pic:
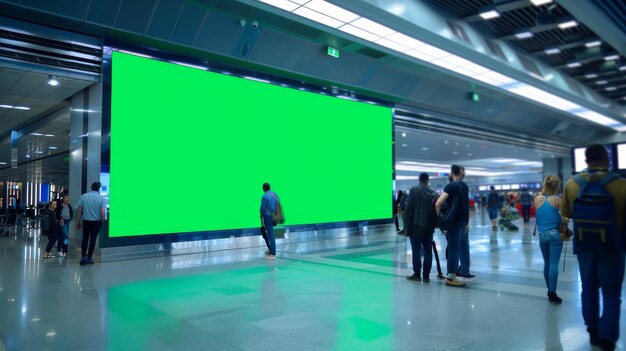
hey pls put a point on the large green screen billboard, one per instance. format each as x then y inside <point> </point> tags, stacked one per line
<point>190,150</point>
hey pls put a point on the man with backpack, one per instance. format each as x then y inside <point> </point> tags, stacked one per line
<point>269,204</point>
<point>458,242</point>
<point>420,224</point>
<point>595,200</point>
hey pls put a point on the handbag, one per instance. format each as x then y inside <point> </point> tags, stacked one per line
<point>564,231</point>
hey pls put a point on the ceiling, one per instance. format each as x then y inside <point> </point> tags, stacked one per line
<point>175,23</point>
<point>44,127</point>
<point>577,50</point>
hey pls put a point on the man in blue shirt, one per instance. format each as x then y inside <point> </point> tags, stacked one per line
<point>269,202</point>
<point>92,210</point>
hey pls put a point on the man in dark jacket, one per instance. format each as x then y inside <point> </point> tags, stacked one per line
<point>420,225</point>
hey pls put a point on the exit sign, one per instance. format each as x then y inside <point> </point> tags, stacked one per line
<point>333,52</point>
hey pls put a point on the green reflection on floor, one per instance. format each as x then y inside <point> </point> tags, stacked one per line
<point>292,303</point>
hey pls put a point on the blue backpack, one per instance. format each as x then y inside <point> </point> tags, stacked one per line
<point>594,213</point>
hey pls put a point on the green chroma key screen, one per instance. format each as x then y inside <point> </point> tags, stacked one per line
<point>190,150</point>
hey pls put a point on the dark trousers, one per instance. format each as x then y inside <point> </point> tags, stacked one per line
<point>419,243</point>
<point>395,220</point>
<point>52,239</point>
<point>526,213</point>
<point>90,234</point>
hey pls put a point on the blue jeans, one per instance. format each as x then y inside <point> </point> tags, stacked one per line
<point>551,246</point>
<point>63,237</point>
<point>424,241</point>
<point>464,255</point>
<point>601,269</point>
<point>269,229</point>
<point>454,236</point>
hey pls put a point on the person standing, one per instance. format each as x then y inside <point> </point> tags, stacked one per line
<point>269,203</point>
<point>526,201</point>
<point>548,220</point>
<point>601,263</point>
<point>92,212</point>
<point>493,206</point>
<point>50,227</point>
<point>458,241</point>
<point>65,213</point>
<point>420,226</point>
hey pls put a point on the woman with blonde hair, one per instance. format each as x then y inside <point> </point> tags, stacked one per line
<point>548,220</point>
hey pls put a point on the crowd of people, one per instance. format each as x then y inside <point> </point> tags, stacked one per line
<point>595,200</point>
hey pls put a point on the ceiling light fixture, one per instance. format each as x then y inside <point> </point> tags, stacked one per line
<point>601,82</point>
<point>611,57</point>
<point>622,68</point>
<point>540,2</point>
<point>568,24</point>
<point>16,107</point>
<point>610,88</point>
<point>594,43</point>
<point>552,51</point>
<point>591,76</point>
<point>53,81</point>
<point>488,13</point>
<point>574,64</point>
<point>523,33</point>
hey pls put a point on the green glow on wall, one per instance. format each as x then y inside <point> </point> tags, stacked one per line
<point>190,150</point>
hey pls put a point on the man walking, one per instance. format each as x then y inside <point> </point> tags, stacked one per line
<point>458,241</point>
<point>420,225</point>
<point>269,202</point>
<point>600,252</point>
<point>92,211</point>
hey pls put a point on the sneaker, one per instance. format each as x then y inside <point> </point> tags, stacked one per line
<point>60,254</point>
<point>267,252</point>
<point>454,282</point>
<point>414,277</point>
<point>270,257</point>
<point>469,277</point>
<point>426,280</point>
<point>90,261</point>
<point>554,298</point>
<point>83,261</point>
<point>48,255</point>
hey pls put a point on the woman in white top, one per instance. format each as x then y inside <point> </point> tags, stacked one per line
<point>548,220</point>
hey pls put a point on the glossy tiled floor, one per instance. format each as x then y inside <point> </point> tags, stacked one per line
<point>346,292</point>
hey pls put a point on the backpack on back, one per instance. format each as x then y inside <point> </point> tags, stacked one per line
<point>446,217</point>
<point>594,213</point>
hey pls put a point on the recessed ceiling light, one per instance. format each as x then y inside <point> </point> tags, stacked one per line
<point>455,152</point>
<point>601,82</point>
<point>488,13</point>
<point>574,64</point>
<point>53,81</point>
<point>622,68</point>
<point>403,135</point>
<point>568,24</point>
<point>552,51</point>
<point>424,148</point>
<point>16,107</point>
<point>594,43</point>
<point>540,2</point>
<point>523,33</point>
<point>610,88</point>
<point>3,163</point>
<point>405,145</point>
<point>611,58</point>
<point>52,147</point>
<point>591,76</point>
